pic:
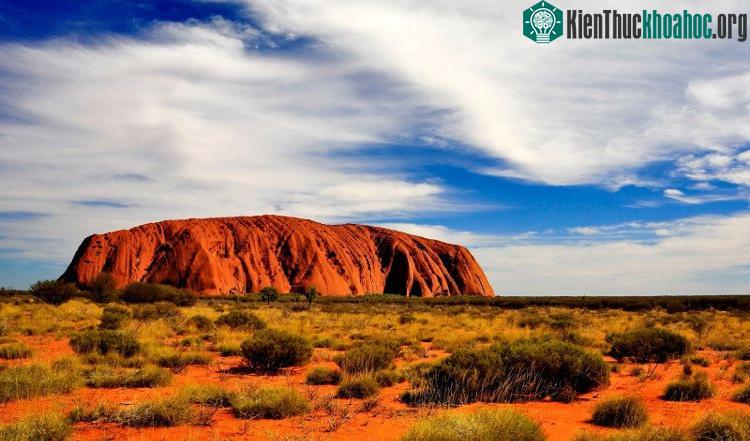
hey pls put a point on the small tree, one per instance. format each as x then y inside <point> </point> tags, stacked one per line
<point>269,294</point>
<point>54,292</point>
<point>103,288</point>
<point>310,294</point>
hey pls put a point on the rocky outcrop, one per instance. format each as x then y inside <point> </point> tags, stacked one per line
<point>245,254</point>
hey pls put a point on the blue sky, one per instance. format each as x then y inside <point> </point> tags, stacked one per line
<point>580,167</point>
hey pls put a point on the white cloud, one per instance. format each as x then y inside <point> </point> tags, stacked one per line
<point>188,123</point>
<point>567,113</point>
<point>701,255</point>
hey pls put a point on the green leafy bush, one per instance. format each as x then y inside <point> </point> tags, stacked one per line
<point>270,402</point>
<point>113,317</point>
<point>368,357</point>
<point>483,425</point>
<point>358,386</point>
<point>54,292</point>
<point>241,319</point>
<point>269,294</point>
<point>141,292</point>
<point>648,345</point>
<point>620,411</point>
<point>512,371</point>
<point>103,288</point>
<point>323,375</point>
<point>271,349</point>
<point>104,342</point>
<point>42,427</point>
<point>693,388</point>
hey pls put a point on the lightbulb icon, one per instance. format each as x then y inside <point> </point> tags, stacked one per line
<point>543,21</point>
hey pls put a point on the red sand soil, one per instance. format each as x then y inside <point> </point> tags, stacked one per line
<point>388,420</point>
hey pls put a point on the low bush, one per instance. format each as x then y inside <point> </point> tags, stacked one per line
<point>270,402</point>
<point>156,311</point>
<point>179,360</point>
<point>358,386</point>
<point>103,288</point>
<point>620,411</point>
<point>54,292</point>
<point>368,357</point>
<point>149,376</point>
<point>113,317</point>
<point>14,351</point>
<point>512,371</point>
<point>229,350</point>
<point>36,380</point>
<point>207,394</point>
<point>742,394</point>
<point>648,345</point>
<point>270,349</point>
<point>389,377</point>
<point>200,323</point>
<point>479,426</point>
<point>731,426</point>
<point>165,412</point>
<point>104,342</point>
<point>240,319</point>
<point>42,427</point>
<point>323,375</point>
<point>141,292</point>
<point>100,413</point>
<point>693,388</point>
<point>647,433</point>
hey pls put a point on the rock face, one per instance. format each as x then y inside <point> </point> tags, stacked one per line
<point>245,254</point>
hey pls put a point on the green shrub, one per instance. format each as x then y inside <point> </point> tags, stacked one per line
<point>731,426</point>
<point>518,371</point>
<point>14,351</point>
<point>241,319</point>
<point>148,376</point>
<point>103,288</point>
<point>207,394</point>
<point>483,425</point>
<point>647,345</point>
<point>141,292</point>
<point>165,412</point>
<point>269,294</point>
<point>323,375</point>
<point>358,386</point>
<point>620,411</point>
<point>742,394</point>
<point>113,317</point>
<point>54,292</point>
<point>104,342</point>
<point>200,322</point>
<point>270,402</point>
<point>156,311</point>
<point>35,380</point>
<point>368,357</point>
<point>693,388</point>
<point>42,427</point>
<point>271,349</point>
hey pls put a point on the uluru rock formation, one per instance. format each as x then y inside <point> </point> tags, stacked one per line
<point>245,254</point>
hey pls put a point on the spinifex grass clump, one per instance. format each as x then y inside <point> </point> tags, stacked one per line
<point>480,426</point>
<point>164,412</point>
<point>113,317</point>
<point>694,388</point>
<point>620,411</point>
<point>270,350</point>
<point>648,345</point>
<point>270,402</point>
<point>358,386</point>
<point>731,426</point>
<point>42,427</point>
<point>149,376</point>
<point>14,351</point>
<point>519,371</point>
<point>368,357</point>
<point>36,380</point>
<point>104,342</point>
<point>323,375</point>
<point>646,433</point>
